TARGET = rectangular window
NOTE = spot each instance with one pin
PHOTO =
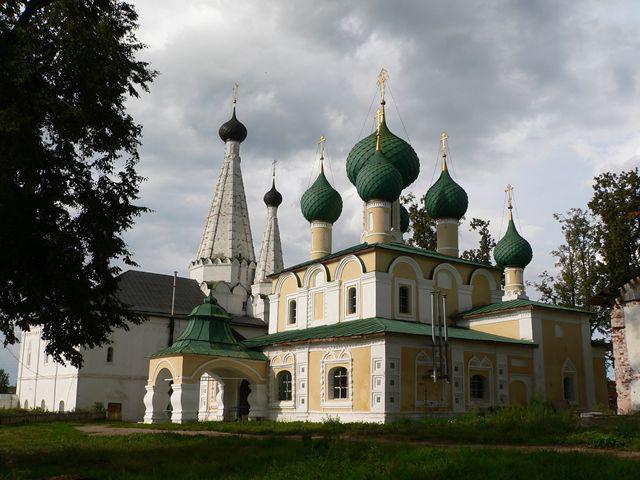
(352, 301)
(404, 300)
(292, 312)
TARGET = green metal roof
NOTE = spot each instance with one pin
(396, 247)
(321, 201)
(208, 333)
(372, 326)
(512, 250)
(515, 305)
(378, 179)
(446, 199)
(397, 151)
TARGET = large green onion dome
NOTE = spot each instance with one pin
(378, 179)
(398, 152)
(446, 199)
(512, 250)
(321, 201)
(404, 219)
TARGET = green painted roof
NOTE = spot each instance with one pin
(515, 305)
(378, 179)
(397, 151)
(208, 333)
(372, 326)
(512, 250)
(321, 201)
(446, 199)
(396, 247)
(404, 219)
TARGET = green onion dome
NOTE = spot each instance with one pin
(398, 152)
(321, 201)
(378, 179)
(404, 219)
(446, 199)
(512, 250)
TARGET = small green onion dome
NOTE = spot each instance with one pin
(398, 152)
(379, 180)
(513, 250)
(404, 219)
(321, 201)
(446, 199)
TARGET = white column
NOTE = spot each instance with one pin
(151, 414)
(184, 401)
(258, 401)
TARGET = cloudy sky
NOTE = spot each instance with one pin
(542, 95)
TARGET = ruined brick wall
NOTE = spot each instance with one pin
(625, 337)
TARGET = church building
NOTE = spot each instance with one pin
(377, 332)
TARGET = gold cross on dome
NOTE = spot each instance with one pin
(509, 189)
(443, 142)
(379, 117)
(321, 143)
(383, 77)
(235, 93)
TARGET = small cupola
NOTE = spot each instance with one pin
(233, 129)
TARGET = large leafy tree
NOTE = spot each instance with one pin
(68, 185)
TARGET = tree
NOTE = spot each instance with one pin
(486, 243)
(616, 204)
(68, 185)
(423, 227)
(4, 381)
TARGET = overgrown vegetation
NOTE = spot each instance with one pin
(59, 450)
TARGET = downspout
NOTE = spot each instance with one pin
(172, 322)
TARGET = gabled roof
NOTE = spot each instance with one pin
(395, 247)
(517, 304)
(372, 326)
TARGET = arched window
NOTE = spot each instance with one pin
(284, 386)
(352, 301)
(110, 355)
(61, 406)
(478, 387)
(43, 405)
(29, 354)
(26, 404)
(293, 312)
(339, 382)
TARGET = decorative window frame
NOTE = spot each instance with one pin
(287, 312)
(330, 360)
(345, 299)
(424, 358)
(283, 361)
(481, 366)
(412, 291)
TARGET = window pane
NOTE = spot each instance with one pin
(292, 311)
(339, 380)
(284, 386)
(477, 387)
(404, 299)
(352, 300)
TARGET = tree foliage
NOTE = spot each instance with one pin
(422, 226)
(4, 381)
(601, 247)
(69, 150)
(485, 245)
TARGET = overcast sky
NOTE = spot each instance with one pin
(542, 95)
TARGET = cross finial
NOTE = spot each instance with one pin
(379, 117)
(443, 149)
(383, 77)
(321, 143)
(273, 169)
(509, 189)
(235, 94)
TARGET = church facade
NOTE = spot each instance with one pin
(376, 332)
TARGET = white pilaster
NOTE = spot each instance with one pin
(184, 401)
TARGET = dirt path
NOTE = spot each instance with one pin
(106, 430)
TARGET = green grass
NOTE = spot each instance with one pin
(536, 424)
(59, 450)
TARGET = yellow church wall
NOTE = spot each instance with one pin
(481, 293)
(289, 286)
(446, 283)
(556, 350)
(361, 379)
(507, 328)
(434, 392)
(520, 364)
(318, 305)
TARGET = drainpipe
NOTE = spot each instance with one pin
(172, 322)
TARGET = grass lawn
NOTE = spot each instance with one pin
(59, 450)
